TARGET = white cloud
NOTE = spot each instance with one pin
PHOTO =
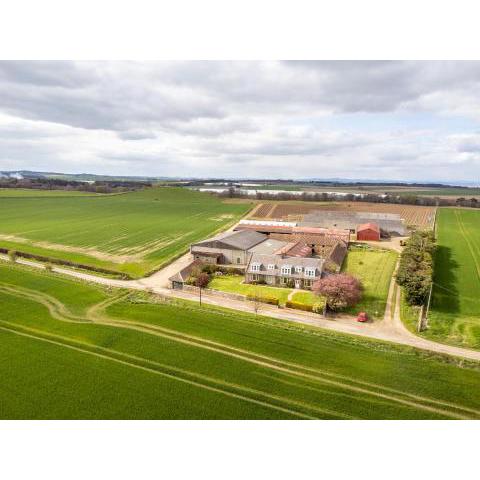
(240, 118)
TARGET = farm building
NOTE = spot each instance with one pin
(287, 231)
(388, 222)
(177, 281)
(295, 272)
(227, 248)
(368, 231)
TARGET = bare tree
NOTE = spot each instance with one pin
(201, 281)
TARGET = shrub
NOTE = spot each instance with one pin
(262, 298)
(12, 255)
(48, 267)
(299, 306)
(318, 307)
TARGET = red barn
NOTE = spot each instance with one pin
(368, 231)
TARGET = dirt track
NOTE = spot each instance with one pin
(389, 329)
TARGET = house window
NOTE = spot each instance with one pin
(307, 283)
(238, 259)
(255, 277)
(298, 269)
(286, 269)
(255, 267)
(310, 272)
(271, 266)
(284, 280)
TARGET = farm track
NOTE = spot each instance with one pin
(315, 377)
(464, 233)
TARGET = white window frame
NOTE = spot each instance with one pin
(271, 266)
(310, 272)
(255, 267)
(255, 277)
(298, 269)
(286, 270)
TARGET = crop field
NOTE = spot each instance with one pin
(131, 233)
(72, 350)
(29, 192)
(374, 268)
(422, 217)
(454, 315)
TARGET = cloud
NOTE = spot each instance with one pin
(275, 119)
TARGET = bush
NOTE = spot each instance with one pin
(263, 299)
(208, 268)
(318, 308)
(415, 271)
(12, 255)
(299, 306)
(48, 267)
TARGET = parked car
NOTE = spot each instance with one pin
(362, 317)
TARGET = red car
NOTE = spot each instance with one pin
(362, 317)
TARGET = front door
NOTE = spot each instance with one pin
(297, 283)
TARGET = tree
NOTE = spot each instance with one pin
(201, 281)
(340, 290)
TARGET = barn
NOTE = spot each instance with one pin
(368, 231)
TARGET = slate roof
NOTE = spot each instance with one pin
(242, 240)
(268, 246)
(185, 272)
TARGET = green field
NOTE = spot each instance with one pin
(234, 284)
(454, 315)
(29, 192)
(72, 350)
(131, 233)
(374, 268)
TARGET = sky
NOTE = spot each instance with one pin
(377, 120)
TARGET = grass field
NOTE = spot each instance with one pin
(28, 192)
(454, 315)
(234, 284)
(72, 350)
(374, 268)
(131, 233)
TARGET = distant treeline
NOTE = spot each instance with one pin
(350, 197)
(70, 185)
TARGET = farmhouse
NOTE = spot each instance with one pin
(227, 248)
(368, 231)
(298, 272)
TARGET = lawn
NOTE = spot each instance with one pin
(374, 268)
(234, 284)
(454, 315)
(72, 350)
(132, 233)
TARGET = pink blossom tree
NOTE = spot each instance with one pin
(340, 290)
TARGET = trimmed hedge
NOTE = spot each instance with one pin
(299, 306)
(263, 299)
(67, 263)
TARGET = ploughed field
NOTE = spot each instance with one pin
(130, 233)
(454, 315)
(419, 216)
(73, 350)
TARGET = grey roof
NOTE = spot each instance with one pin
(185, 272)
(279, 261)
(390, 222)
(242, 240)
(268, 246)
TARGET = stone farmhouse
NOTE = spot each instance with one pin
(281, 270)
(296, 259)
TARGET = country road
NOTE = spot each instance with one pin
(389, 329)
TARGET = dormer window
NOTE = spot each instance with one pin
(298, 269)
(310, 272)
(271, 266)
(286, 269)
(255, 267)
